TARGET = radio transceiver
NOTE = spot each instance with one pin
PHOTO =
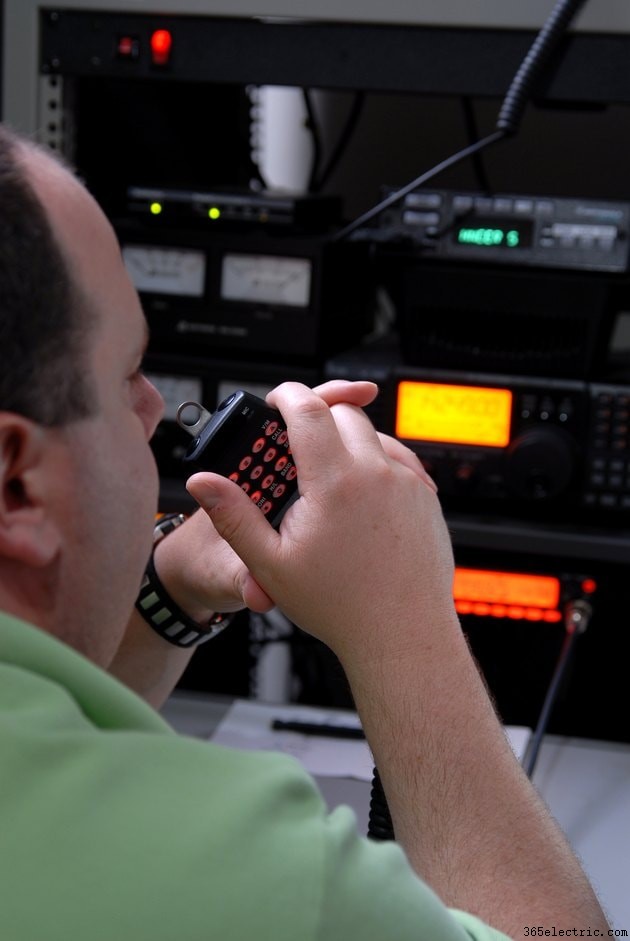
(558, 445)
(546, 448)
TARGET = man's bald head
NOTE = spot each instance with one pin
(43, 319)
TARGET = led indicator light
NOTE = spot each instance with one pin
(589, 585)
(155, 208)
(161, 45)
(128, 47)
(214, 212)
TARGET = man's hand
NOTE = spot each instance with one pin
(201, 570)
(203, 574)
(365, 538)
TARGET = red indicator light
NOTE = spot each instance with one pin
(161, 45)
(589, 585)
(128, 47)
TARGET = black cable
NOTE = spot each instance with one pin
(313, 127)
(380, 826)
(509, 114)
(344, 137)
(539, 54)
(415, 184)
(576, 619)
(473, 135)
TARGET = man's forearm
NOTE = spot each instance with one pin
(463, 809)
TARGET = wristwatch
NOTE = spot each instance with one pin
(163, 613)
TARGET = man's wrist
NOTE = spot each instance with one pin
(162, 612)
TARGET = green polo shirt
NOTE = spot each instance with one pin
(115, 828)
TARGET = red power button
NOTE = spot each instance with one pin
(161, 46)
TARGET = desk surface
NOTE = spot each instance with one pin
(586, 785)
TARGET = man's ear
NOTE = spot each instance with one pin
(28, 531)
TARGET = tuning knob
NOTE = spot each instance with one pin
(540, 464)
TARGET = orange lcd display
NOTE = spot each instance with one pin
(506, 588)
(431, 411)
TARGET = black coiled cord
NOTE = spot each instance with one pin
(539, 53)
(380, 826)
(510, 112)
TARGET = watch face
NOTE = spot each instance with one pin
(267, 279)
(157, 270)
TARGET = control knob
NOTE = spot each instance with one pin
(540, 463)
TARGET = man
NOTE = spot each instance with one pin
(112, 826)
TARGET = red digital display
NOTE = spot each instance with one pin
(513, 595)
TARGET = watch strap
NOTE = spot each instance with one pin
(161, 612)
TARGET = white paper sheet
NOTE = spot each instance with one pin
(247, 725)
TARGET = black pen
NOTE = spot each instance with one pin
(317, 728)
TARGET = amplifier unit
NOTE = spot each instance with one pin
(288, 296)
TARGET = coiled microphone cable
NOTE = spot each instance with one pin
(532, 65)
(380, 826)
(510, 112)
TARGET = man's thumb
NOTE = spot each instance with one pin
(237, 520)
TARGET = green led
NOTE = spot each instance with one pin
(214, 212)
(489, 236)
(481, 236)
(155, 208)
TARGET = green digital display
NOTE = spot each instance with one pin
(508, 234)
